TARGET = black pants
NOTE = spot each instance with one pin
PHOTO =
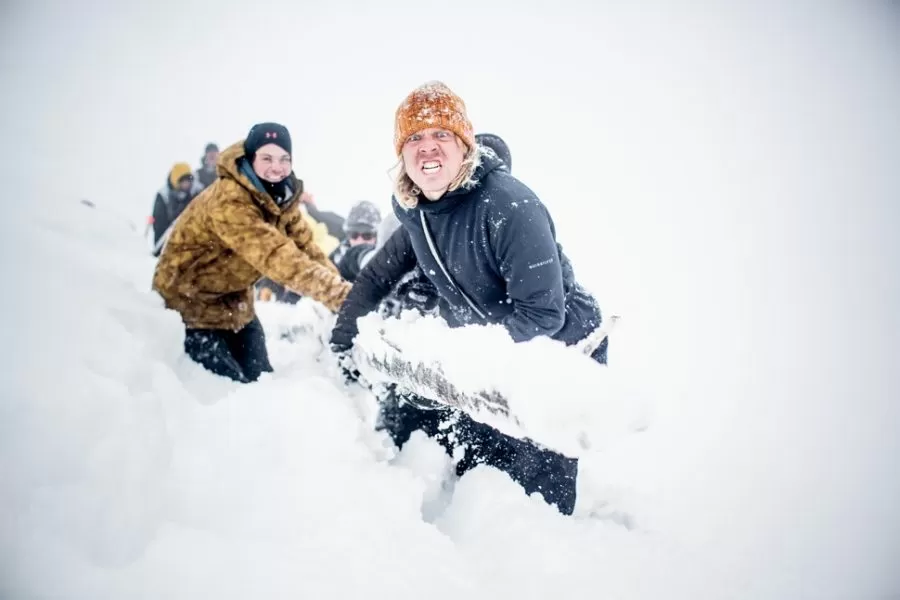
(240, 355)
(536, 469)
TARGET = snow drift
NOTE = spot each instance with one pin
(723, 177)
(131, 472)
(541, 389)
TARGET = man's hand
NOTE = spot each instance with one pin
(307, 198)
(418, 295)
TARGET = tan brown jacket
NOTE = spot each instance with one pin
(230, 236)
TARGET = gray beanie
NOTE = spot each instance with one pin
(364, 217)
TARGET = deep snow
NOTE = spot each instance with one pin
(134, 473)
(725, 179)
(590, 413)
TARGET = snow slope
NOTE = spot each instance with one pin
(132, 473)
(723, 179)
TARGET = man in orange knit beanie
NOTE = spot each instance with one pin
(488, 245)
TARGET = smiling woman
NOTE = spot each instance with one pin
(244, 226)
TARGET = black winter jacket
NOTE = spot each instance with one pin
(498, 243)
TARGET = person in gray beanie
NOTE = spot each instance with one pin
(355, 251)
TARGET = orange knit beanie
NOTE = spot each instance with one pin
(432, 104)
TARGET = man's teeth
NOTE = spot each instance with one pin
(431, 166)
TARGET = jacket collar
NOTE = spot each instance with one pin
(449, 201)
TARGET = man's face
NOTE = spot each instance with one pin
(272, 163)
(432, 158)
(185, 183)
(210, 159)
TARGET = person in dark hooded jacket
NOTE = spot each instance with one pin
(488, 245)
(361, 229)
(415, 291)
(170, 202)
(206, 173)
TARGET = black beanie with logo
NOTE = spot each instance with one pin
(266, 133)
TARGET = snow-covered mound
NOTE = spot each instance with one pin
(540, 389)
(130, 472)
(725, 177)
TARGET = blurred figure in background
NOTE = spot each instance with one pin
(171, 200)
(333, 222)
(361, 229)
(206, 174)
